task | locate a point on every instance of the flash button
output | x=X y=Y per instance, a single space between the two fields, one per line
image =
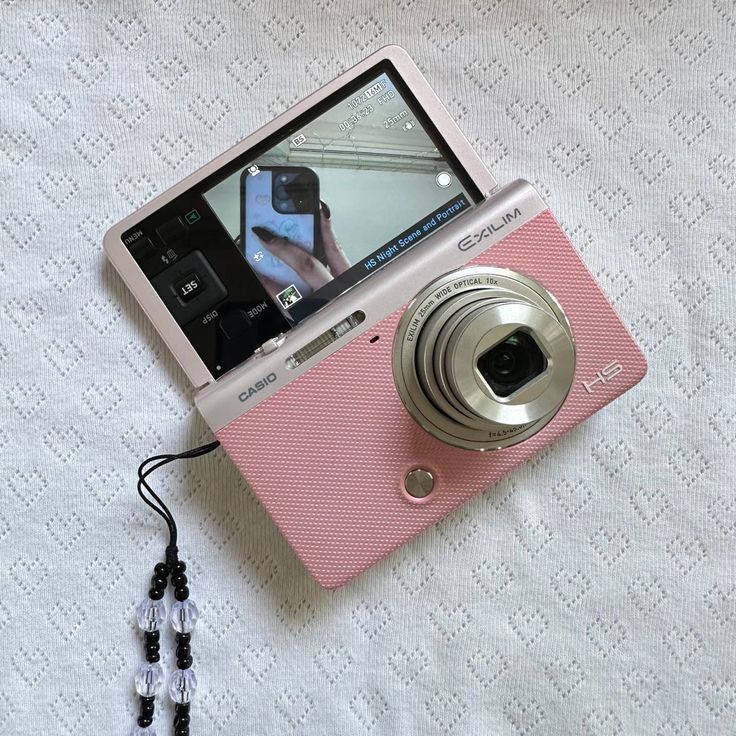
x=419 y=483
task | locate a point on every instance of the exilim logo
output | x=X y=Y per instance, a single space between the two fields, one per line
x=469 y=241
x=257 y=386
x=603 y=376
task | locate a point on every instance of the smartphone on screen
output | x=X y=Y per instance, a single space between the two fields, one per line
x=285 y=201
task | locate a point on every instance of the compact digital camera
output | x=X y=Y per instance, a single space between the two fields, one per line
x=377 y=331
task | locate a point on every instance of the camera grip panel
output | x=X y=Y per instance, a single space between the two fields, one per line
x=327 y=455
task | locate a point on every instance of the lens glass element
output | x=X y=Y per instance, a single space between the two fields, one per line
x=296 y=192
x=511 y=364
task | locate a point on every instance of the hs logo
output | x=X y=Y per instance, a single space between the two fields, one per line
x=603 y=376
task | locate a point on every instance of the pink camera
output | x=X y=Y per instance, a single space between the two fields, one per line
x=377 y=330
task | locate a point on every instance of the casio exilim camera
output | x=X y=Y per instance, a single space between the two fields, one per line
x=376 y=330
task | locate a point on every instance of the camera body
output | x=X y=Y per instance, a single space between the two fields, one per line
x=330 y=446
x=368 y=374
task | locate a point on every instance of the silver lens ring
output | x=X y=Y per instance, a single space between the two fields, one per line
x=448 y=326
x=430 y=353
x=485 y=328
x=440 y=356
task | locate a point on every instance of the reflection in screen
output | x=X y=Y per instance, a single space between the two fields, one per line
x=343 y=195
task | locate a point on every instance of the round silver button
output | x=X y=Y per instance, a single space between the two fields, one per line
x=419 y=483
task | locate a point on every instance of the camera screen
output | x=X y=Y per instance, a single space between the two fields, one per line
x=341 y=196
x=280 y=230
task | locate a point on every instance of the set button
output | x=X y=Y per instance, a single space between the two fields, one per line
x=189 y=287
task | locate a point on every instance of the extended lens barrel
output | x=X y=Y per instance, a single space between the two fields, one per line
x=483 y=358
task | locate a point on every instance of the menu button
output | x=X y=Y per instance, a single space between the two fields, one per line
x=142 y=248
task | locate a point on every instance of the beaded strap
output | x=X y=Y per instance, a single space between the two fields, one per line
x=149 y=677
x=151 y=615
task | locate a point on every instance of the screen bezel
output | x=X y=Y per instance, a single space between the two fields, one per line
x=420 y=95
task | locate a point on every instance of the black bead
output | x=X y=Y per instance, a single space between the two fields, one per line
x=179 y=581
x=150 y=699
x=153 y=657
x=182 y=707
x=147 y=709
x=152 y=636
x=162 y=569
x=185 y=663
x=158 y=582
x=144 y=721
x=181 y=720
x=152 y=649
x=183 y=651
x=155 y=594
x=181 y=594
x=179 y=567
x=183 y=638
x=182 y=731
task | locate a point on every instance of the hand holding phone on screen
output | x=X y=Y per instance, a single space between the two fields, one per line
x=314 y=272
x=286 y=235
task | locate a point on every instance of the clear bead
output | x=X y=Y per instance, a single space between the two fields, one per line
x=148 y=679
x=182 y=686
x=138 y=731
x=184 y=615
x=151 y=614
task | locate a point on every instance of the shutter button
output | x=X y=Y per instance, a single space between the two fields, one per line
x=419 y=483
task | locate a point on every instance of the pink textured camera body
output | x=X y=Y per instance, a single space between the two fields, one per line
x=328 y=454
x=444 y=332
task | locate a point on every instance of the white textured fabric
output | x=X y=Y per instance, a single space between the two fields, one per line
x=591 y=592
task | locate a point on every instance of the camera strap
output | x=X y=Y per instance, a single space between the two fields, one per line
x=151 y=613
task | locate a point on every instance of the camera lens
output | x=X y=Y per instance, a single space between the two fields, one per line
x=483 y=358
x=297 y=189
x=295 y=193
x=512 y=364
